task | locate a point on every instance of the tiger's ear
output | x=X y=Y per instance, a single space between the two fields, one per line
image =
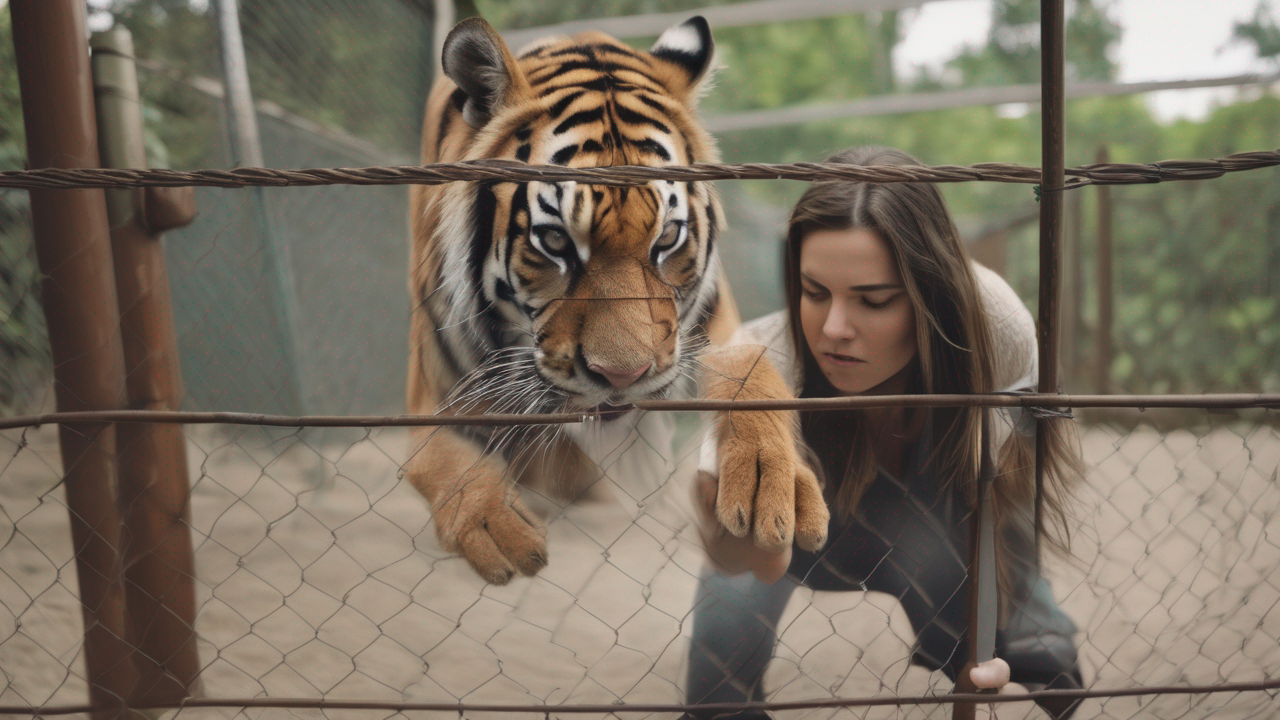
x=690 y=48
x=476 y=58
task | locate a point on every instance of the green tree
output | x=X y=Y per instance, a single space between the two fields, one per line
x=362 y=67
x=1012 y=52
x=24 y=345
x=1262 y=31
x=13 y=139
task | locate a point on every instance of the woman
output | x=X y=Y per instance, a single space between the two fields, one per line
x=883 y=299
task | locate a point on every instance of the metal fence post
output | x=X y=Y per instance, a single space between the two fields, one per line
x=1073 y=269
x=1052 y=181
x=1053 y=177
x=443 y=23
x=1106 y=309
x=1052 y=184
x=79 y=298
x=246 y=151
x=153 y=487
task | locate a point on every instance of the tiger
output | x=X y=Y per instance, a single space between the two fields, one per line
x=554 y=296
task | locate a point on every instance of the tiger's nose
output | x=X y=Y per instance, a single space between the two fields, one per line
x=618 y=377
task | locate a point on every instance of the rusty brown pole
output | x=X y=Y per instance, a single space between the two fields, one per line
x=153 y=491
x=1073 y=268
x=1106 y=309
x=1053 y=177
x=79 y=297
x=1052 y=182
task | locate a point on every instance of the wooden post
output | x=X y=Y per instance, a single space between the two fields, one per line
x=1104 y=352
x=79 y=298
x=153 y=486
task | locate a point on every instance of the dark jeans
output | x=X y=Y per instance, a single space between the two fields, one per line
x=901 y=546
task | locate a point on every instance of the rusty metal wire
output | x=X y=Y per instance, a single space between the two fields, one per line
x=612 y=708
x=1232 y=401
x=513 y=171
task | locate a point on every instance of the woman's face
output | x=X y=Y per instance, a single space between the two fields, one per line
x=854 y=309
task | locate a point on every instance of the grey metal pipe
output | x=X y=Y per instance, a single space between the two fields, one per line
x=242 y=122
x=246 y=151
x=444 y=19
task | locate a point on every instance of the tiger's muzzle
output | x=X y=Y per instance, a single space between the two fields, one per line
x=616 y=339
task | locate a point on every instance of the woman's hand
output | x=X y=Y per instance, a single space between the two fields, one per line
x=733 y=555
x=993 y=675
x=990 y=675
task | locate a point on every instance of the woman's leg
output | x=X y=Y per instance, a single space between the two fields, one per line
x=933 y=586
x=1038 y=643
x=734 y=631
x=900 y=546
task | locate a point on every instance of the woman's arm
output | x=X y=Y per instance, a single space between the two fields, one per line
x=1013 y=333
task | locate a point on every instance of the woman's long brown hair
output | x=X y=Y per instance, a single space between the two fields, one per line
x=954 y=355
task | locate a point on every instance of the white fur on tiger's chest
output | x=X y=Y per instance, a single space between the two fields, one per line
x=635 y=453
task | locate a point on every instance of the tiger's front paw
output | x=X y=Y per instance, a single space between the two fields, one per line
x=487 y=524
x=765 y=489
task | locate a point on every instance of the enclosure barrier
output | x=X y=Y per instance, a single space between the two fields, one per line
x=460 y=708
x=1224 y=401
x=515 y=171
x=1046 y=401
x=1050 y=182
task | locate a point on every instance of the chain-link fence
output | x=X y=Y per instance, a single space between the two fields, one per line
x=335 y=587
x=260 y=297
x=319 y=576
x=24 y=345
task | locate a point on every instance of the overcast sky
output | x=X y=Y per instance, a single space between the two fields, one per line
x=1162 y=40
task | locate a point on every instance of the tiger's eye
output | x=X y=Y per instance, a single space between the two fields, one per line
x=555 y=241
x=669 y=238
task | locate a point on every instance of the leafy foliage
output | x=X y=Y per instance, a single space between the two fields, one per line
x=24 y=346
x=13 y=138
x=1012 y=52
x=1262 y=31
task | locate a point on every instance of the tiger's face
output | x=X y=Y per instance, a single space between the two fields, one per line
x=605 y=286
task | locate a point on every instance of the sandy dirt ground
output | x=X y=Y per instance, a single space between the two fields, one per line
x=319 y=575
